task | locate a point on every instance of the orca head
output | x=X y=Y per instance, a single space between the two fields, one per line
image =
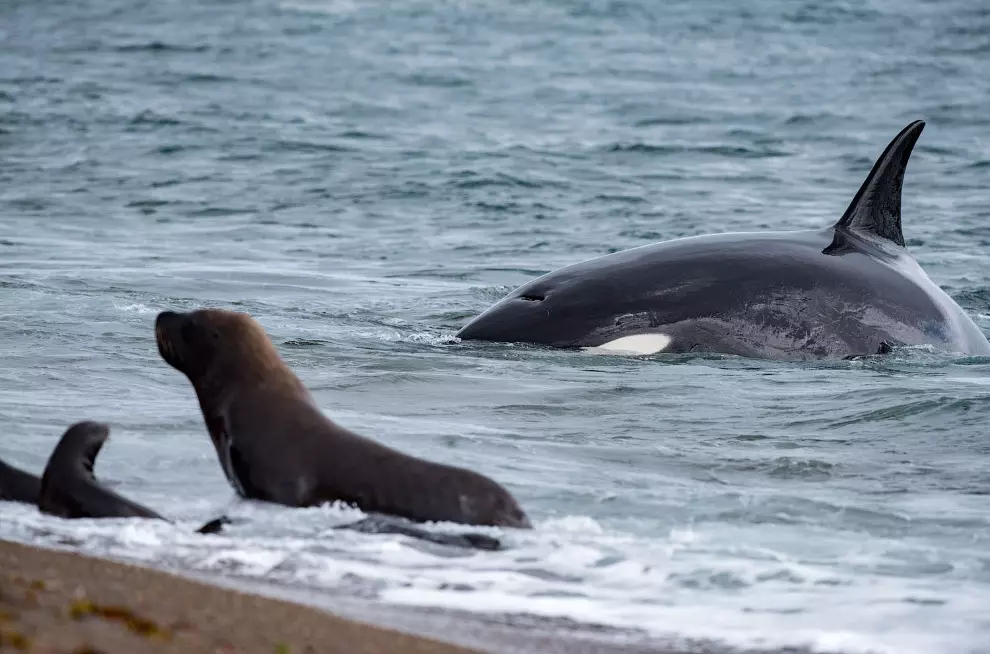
x=561 y=309
x=527 y=314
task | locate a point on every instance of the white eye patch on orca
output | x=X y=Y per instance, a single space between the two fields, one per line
x=638 y=344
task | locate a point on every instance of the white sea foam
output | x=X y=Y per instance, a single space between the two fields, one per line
x=135 y=307
x=430 y=338
x=569 y=567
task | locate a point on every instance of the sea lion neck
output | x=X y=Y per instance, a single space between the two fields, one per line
x=218 y=384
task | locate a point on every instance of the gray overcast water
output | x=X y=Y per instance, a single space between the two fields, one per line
x=363 y=177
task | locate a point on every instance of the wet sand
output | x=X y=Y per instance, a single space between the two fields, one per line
x=56 y=601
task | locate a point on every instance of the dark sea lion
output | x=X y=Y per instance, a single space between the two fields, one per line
x=276 y=445
x=68 y=488
x=17 y=485
x=846 y=291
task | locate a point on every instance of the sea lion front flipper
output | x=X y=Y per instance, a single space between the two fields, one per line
x=214 y=526
x=382 y=524
x=240 y=474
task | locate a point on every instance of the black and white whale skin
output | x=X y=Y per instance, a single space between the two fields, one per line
x=849 y=290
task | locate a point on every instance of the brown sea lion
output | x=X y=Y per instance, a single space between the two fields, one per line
x=276 y=445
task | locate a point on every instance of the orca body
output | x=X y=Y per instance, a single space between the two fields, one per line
x=848 y=290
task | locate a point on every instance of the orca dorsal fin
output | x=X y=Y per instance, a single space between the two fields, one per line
x=876 y=208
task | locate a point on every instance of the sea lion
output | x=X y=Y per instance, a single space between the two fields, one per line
x=17 y=485
x=68 y=488
x=276 y=445
x=66 y=480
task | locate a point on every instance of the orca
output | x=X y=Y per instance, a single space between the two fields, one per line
x=846 y=291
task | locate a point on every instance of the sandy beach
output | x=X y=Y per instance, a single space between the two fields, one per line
x=64 y=602
x=57 y=601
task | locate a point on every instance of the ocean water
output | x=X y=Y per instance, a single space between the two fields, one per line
x=363 y=177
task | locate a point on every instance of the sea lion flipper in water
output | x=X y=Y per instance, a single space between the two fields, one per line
x=381 y=524
x=69 y=489
x=214 y=526
x=275 y=444
x=17 y=485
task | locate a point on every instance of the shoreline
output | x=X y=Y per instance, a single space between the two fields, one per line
x=54 y=601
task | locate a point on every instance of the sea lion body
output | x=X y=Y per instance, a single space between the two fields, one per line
x=17 y=485
x=276 y=445
x=68 y=487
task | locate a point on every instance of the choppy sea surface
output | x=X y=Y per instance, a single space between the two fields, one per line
x=363 y=177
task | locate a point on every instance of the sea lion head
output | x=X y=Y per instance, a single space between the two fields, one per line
x=214 y=347
x=80 y=445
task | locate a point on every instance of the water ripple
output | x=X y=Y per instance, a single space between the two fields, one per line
x=365 y=176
